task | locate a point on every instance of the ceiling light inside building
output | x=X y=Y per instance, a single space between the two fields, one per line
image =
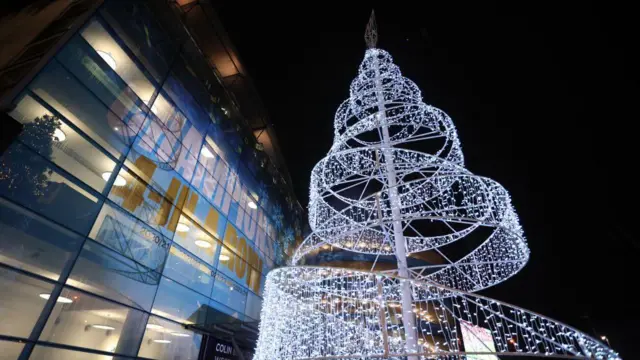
x=180 y=334
x=103 y=327
x=206 y=152
x=154 y=327
x=60 y=299
x=59 y=135
x=107 y=58
x=162 y=341
x=224 y=257
x=182 y=227
x=203 y=243
x=252 y=205
x=119 y=181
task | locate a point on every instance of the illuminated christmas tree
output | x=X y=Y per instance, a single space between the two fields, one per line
x=394 y=184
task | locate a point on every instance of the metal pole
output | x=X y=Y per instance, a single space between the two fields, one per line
x=400 y=247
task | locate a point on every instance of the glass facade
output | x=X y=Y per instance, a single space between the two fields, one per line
x=135 y=211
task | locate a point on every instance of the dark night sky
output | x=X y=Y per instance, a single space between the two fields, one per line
x=542 y=98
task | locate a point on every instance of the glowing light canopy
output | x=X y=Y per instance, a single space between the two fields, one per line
x=394 y=184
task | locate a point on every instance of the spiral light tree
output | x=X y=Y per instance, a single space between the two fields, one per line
x=394 y=185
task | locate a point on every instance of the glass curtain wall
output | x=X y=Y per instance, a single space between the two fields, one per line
x=131 y=205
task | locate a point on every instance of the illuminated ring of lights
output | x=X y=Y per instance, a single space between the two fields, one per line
x=313 y=313
x=435 y=120
x=485 y=266
x=335 y=223
x=326 y=175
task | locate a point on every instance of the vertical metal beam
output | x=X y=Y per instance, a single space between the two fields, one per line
x=400 y=245
x=237 y=348
x=383 y=320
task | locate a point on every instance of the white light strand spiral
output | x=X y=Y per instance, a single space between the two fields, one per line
x=395 y=169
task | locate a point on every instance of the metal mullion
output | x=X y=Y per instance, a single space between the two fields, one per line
x=38 y=327
x=62 y=346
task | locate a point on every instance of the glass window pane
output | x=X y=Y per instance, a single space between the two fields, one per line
x=118 y=60
x=193 y=238
x=107 y=273
x=21 y=301
x=156 y=164
x=94 y=323
x=10 y=350
x=199 y=208
x=184 y=99
x=168 y=114
x=229 y=293
x=188 y=270
x=253 y=280
x=93 y=69
x=231 y=264
x=176 y=302
x=254 y=305
x=31 y=180
x=69 y=149
x=130 y=237
x=143 y=201
x=64 y=93
x=221 y=314
x=161 y=143
x=167 y=340
x=33 y=243
x=52 y=353
x=138 y=29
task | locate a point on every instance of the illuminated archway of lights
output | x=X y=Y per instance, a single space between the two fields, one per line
x=394 y=184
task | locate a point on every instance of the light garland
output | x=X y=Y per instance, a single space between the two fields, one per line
x=395 y=168
x=334 y=313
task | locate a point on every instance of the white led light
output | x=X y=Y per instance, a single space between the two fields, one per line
x=252 y=205
x=119 y=181
x=179 y=334
x=155 y=327
x=203 y=243
x=59 y=135
x=206 y=152
x=161 y=341
x=182 y=227
x=107 y=58
x=60 y=299
x=224 y=257
x=103 y=327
